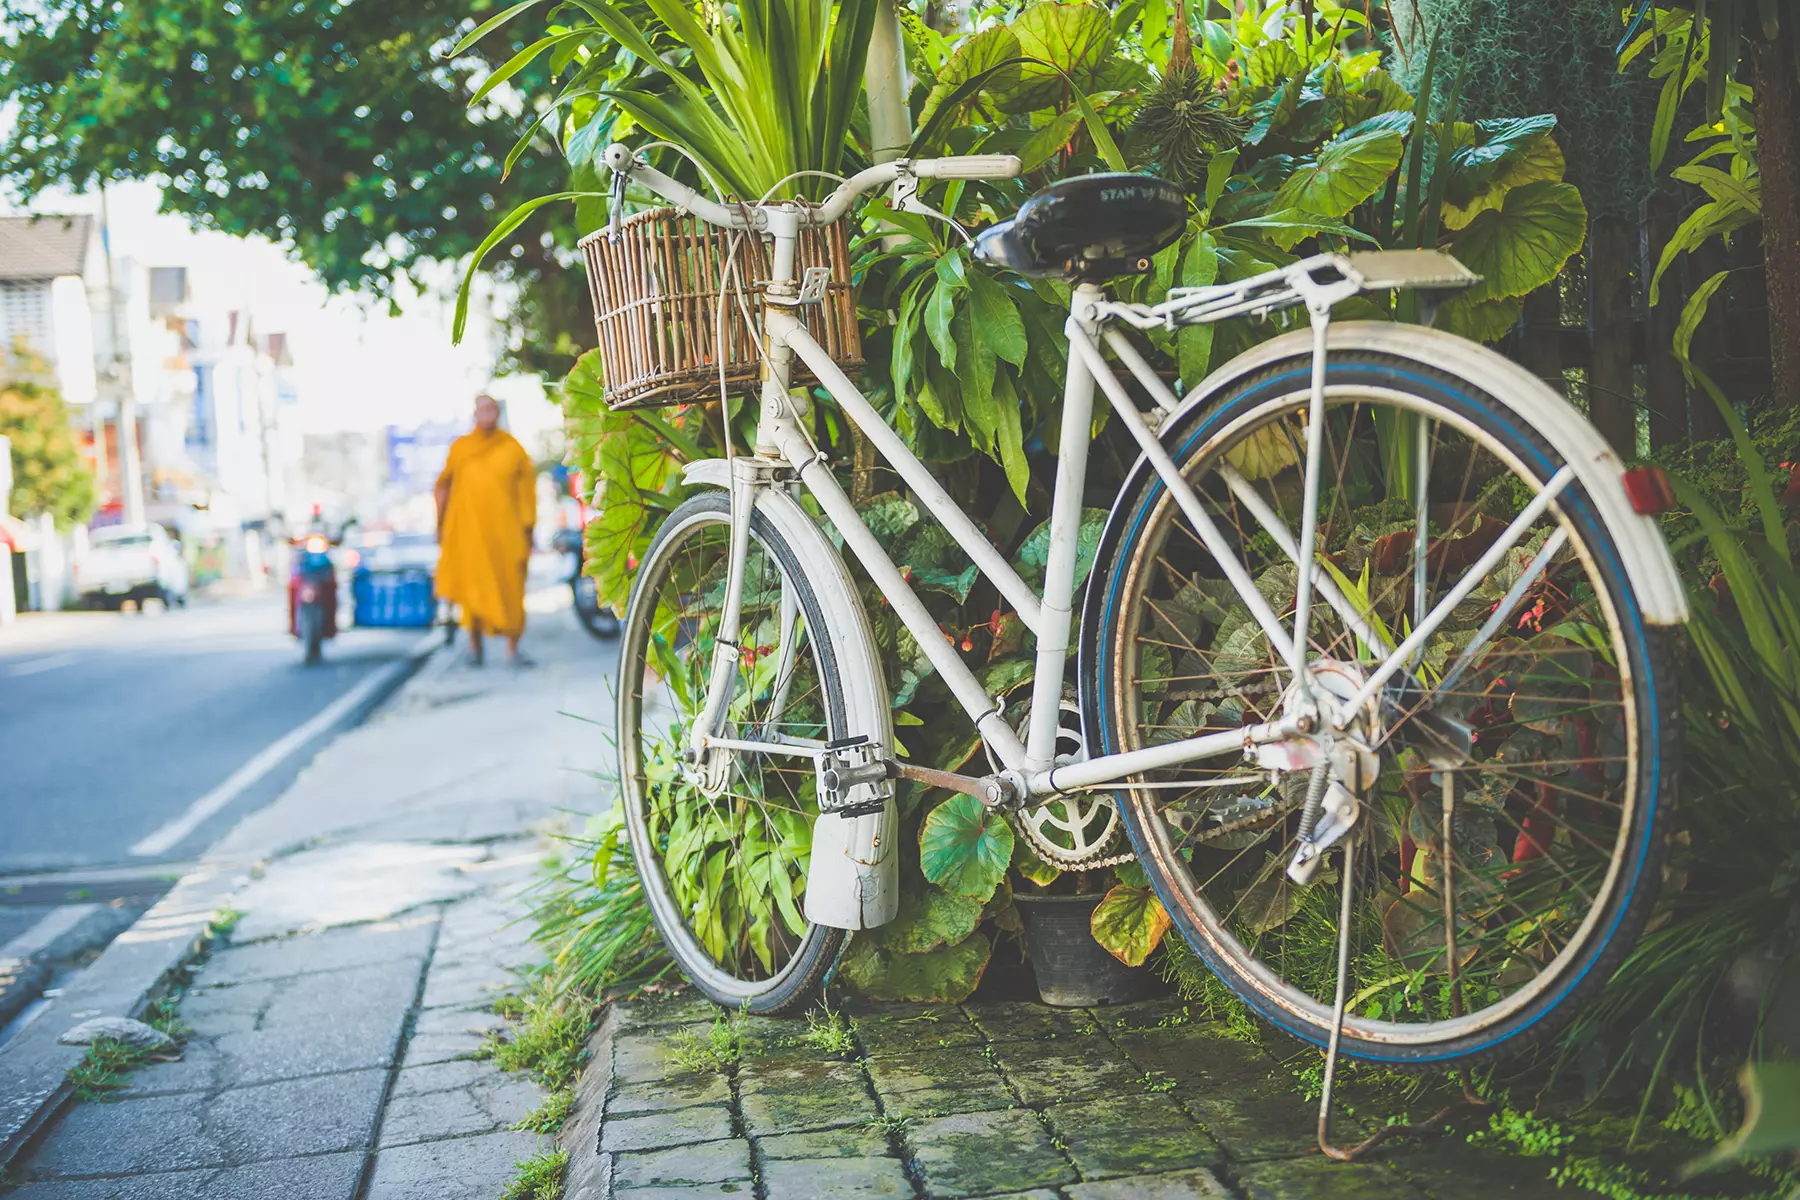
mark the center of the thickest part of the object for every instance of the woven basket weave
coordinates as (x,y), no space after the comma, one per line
(656,286)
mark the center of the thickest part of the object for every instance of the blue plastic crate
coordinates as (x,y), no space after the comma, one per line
(394,599)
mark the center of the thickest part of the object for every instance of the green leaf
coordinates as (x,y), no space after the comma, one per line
(1480,320)
(939,310)
(1692,313)
(1050,138)
(488,26)
(997,317)
(1071,43)
(946,975)
(1193,343)
(1034,552)
(1477,185)
(1523,244)
(1347,172)
(1130,922)
(929,917)
(510,222)
(1290,226)
(1771,1116)
(964,848)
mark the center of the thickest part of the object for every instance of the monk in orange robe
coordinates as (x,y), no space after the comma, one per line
(486,510)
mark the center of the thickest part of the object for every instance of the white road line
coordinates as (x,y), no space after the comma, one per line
(170,835)
(51,663)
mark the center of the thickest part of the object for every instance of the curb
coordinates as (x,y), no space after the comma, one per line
(588,1176)
(134,968)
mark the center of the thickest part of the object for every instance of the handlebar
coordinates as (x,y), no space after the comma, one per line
(620,160)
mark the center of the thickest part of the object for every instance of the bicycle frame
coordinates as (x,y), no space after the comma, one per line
(782,442)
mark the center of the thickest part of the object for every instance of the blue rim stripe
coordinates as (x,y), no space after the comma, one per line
(1634,629)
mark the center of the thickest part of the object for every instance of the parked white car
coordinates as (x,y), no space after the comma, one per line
(131,563)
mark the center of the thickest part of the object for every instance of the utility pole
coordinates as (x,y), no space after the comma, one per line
(131,468)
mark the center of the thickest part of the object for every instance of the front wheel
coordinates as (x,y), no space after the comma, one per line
(722,846)
(1546,666)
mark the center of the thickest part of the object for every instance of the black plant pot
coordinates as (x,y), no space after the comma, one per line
(1073,970)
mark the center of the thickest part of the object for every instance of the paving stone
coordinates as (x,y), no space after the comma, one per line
(939,1081)
(324,1177)
(709,1162)
(1054,1072)
(330,950)
(648,1057)
(855,1141)
(973,1154)
(1141,1016)
(201,1068)
(1180,1185)
(1131,1135)
(211,1011)
(157,1133)
(791,1095)
(443,1034)
(475,1168)
(1231,1087)
(668,1095)
(1318,1178)
(455,1099)
(461,984)
(317,1047)
(831,1178)
(649,1012)
(1450,1169)
(697,1191)
(885,1029)
(350,996)
(1015,1021)
(298,1116)
(683,1127)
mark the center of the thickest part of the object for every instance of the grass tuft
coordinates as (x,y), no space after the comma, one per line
(718,1051)
(549,1116)
(539,1177)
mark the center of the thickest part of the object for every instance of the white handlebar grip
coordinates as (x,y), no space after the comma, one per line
(970,166)
(617,157)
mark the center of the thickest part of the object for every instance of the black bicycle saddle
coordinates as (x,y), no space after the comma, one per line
(1090,227)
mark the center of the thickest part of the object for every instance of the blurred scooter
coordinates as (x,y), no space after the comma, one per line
(313,592)
(594,617)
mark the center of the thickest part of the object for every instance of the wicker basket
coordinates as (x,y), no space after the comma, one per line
(655,288)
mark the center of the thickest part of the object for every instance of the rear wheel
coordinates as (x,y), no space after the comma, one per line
(312,632)
(722,845)
(1553,848)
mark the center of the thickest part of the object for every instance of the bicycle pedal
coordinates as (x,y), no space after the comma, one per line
(854,777)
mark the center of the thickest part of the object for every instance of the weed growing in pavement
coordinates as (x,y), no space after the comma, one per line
(103,1068)
(829,1030)
(549,1116)
(718,1051)
(546,1038)
(1155,1082)
(539,1177)
(223,922)
(892,1127)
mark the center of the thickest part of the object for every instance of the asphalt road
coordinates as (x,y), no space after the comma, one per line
(113,726)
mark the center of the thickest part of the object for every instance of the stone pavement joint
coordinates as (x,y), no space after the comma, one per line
(989,1100)
(333,1032)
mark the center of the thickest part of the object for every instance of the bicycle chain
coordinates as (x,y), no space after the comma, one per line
(1059,857)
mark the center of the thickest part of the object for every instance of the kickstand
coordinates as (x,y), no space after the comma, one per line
(1433,1125)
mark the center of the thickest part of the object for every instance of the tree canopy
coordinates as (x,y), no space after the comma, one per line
(49,473)
(338,128)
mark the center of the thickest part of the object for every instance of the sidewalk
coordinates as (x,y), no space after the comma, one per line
(330,1028)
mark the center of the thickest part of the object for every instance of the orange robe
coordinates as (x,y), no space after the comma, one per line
(485,547)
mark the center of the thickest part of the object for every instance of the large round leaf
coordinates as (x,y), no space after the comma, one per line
(929,917)
(1072,38)
(943,976)
(1500,156)
(1130,922)
(1520,246)
(964,848)
(1347,172)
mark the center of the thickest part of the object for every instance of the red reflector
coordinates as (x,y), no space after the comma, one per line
(1649,490)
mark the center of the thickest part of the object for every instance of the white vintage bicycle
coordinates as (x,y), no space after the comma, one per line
(1370,588)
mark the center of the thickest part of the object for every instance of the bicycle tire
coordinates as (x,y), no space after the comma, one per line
(1648,650)
(806,971)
